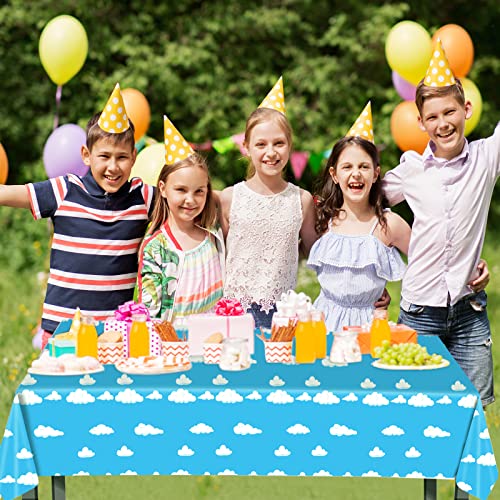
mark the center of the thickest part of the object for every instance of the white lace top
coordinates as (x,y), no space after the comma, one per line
(262,246)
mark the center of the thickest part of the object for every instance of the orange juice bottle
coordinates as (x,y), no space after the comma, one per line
(379,331)
(305,345)
(138,337)
(319,329)
(86,339)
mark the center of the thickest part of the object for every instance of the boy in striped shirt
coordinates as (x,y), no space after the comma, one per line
(99,221)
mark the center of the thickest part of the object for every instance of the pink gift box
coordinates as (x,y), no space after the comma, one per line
(278,352)
(201,326)
(123,326)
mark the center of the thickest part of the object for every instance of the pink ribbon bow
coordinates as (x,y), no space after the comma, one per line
(229,307)
(125,311)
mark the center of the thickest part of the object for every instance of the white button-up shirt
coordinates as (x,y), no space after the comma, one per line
(450,201)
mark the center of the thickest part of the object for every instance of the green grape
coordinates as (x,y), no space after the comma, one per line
(407,354)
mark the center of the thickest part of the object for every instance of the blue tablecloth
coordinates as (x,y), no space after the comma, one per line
(273,419)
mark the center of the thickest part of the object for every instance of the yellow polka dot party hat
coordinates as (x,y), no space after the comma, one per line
(363,126)
(176,147)
(276,98)
(439,73)
(114,117)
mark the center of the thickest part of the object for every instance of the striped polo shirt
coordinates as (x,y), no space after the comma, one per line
(93,259)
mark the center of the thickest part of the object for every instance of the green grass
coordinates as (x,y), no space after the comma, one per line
(20,306)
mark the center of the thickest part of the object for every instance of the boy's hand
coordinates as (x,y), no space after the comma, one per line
(483,279)
(384,301)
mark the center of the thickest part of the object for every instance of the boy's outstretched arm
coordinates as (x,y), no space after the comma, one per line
(14,196)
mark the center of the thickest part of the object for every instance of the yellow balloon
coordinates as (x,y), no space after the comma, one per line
(408,50)
(148,163)
(473,95)
(63,48)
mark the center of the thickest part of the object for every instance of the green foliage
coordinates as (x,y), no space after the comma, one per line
(209,64)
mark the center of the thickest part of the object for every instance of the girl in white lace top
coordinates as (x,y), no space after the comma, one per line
(264,218)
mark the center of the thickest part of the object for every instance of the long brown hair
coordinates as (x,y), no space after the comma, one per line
(208,215)
(261,115)
(329,199)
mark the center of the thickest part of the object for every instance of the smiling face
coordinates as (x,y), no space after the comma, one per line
(355,174)
(443,118)
(110,163)
(268,148)
(186,192)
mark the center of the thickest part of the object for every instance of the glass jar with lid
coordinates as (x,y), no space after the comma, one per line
(234,355)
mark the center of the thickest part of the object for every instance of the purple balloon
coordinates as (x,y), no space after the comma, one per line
(405,89)
(61,153)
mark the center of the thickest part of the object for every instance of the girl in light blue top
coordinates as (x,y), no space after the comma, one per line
(357,252)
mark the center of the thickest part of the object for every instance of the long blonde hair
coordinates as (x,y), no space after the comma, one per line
(208,215)
(261,115)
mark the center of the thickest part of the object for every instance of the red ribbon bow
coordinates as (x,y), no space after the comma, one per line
(229,307)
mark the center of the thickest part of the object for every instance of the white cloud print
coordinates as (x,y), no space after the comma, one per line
(154,396)
(101,430)
(393,430)
(7,433)
(488,460)
(229,396)
(53,396)
(399,400)
(350,398)
(201,428)
(43,431)
(29,479)
(319,451)
(468,401)
(298,429)
(220,380)
(445,400)
(181,396)
(276,382)
(147,430)
(254,396)
(86,453)
(458,386)
(185,451)
(376,453)
(485,434)
(223,451)
(367,384)
(105,396)
(27,397)
(420,401)
(183,380)
(124,380)
(279,397)
(435,432)
(281,451)
(326,398)
(124,452)
(464,486)
(342,430)
(7,480)
(128,397)
(375,399)
(412,453)
(469,459)
(402,385)
(24,454)
(86,380)
(312,382)
(29,380)
(206,396)
(80,397)
(245,429)
(304,397)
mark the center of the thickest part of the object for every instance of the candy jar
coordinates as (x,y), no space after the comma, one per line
(234,355)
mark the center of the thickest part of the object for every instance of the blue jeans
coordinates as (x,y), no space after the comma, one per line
(261,318)
(464,329)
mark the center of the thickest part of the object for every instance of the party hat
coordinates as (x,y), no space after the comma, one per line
(439,73)
(114,117)
(176,147)
(363,126)
(276,98)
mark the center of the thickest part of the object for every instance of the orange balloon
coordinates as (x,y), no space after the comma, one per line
(4,165)
(405,129)
(138,110)
(458,47)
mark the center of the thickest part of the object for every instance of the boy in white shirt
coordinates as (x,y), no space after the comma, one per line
(449,190)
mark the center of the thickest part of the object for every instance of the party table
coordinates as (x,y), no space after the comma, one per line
(272,419)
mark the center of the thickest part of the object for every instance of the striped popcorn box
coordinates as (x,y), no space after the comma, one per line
(211,353)
(278,352)
(175,353)
(108,353)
